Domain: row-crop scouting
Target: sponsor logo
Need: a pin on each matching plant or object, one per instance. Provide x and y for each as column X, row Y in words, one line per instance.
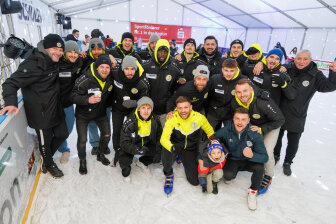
column 110, row 88
column 205, row 95
column 151, row 76
column 305, row 83
column 117, row 84
column 258, row 80
column 249, row 143
column 64, row 74
column 220, row 91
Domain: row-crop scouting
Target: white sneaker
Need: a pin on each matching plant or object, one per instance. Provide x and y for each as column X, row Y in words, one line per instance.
column 252, row 199
column 64, row 157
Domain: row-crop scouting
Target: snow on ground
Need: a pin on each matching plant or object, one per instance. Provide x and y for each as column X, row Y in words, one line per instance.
column 101, row 196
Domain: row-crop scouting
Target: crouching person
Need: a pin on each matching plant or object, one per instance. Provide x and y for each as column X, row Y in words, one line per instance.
column 90, row 94
column 246, row 152
column 210, row 165
column 140, row 135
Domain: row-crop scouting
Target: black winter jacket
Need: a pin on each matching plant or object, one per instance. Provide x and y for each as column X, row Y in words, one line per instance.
column 306, row 82
column 119, row 53
column 134, row 88
column 263, row 112
column 85, row 87
column 214, row 63
column 131, row 139
column 187, row 68
column 68, row 73
column 37, row 76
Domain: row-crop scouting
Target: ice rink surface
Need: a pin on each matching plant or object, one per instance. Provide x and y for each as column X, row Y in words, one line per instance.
column 102, row 196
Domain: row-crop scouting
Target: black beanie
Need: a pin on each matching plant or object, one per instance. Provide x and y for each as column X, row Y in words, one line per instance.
column 103, row 59
column 237, row 41
column 189, row 40
column 53, row 40
column 127, row 35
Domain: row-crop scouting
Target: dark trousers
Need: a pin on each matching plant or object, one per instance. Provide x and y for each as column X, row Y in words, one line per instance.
column 117, row 122
column 189, row 160
column 215, row 122
column 126, row 159
column 232, row 167
column 50, row 139
column 82, row 127
column 293, row 140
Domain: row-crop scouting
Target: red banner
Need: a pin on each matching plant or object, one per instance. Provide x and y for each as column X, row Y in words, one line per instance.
column 145, row 30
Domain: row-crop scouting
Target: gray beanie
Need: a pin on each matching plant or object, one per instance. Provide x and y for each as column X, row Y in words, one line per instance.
column 154, row 38
column 71, row 45
column 129, row 61
column 96, row 42
column 202, row 70
column 145, row 100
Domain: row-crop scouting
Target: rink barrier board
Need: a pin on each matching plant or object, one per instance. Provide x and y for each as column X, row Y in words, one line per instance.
column 19, row 168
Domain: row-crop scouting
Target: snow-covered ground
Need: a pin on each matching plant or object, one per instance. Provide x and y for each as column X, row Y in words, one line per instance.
column 101, row 196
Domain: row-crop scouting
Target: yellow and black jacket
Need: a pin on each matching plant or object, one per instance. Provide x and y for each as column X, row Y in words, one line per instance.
column 119, row 53
column 162, row 78
column 249, row 64
column 185, row 132
column 85, row 87
column 136, row 133
column 263, row 112
column 187, row 67
column 221, row 93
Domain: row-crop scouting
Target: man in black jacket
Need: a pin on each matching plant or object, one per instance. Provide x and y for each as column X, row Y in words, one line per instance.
column 90, row 94
column 129, row 85
column 306, row 79
column 140, row 135
column 163, row 76
column 69, row 70
column 146, row 54
column 188, row 60
column 210, row 55
column 221, row 93
column 124, row 48
column 37, row 77
column 266, row 119
column 237, row 53
column 196, row 90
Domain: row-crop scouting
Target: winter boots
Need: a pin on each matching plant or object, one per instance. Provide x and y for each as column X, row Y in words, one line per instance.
column 54, row 171
column 252, row 199
column 101, row 157
column 287, row 169
column 82, row 166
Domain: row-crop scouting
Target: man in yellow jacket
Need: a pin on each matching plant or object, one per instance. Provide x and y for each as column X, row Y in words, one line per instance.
column 180, row 137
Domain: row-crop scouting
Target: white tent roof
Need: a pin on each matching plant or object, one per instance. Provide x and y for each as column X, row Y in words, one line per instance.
column 233, row 13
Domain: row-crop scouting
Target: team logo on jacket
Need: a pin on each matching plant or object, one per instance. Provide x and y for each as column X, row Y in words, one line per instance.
column 110, row 88
column 249, row 143
column 256, row 116
column 193, row 125
column 205, row 95
column 194, row 72
column 233, row 92
column 305, row 83
column 168, row 78
column 59, row 44
column 134, row 91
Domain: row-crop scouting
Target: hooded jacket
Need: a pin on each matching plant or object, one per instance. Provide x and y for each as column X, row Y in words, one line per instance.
column 37, row 76
column 185, row 133
column 134, row 88
column 145, row 54
column 249, row 64
column 214, row 63
column 187, row 67
column 85, row 87
column 135, row 133
column 68, row 73
column 263, row 112
column 119, row 53
column 306, row 82
column 162, row 78
column 221, row 93
column 236, row 143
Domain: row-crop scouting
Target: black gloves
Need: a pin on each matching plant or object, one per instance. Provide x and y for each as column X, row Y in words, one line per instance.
column 251, row 50
column 142, row 151
column 129, row 104
column 278, row 80
column 157, row 157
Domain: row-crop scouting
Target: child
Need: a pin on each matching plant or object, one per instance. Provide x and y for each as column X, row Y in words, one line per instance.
column 210, row 163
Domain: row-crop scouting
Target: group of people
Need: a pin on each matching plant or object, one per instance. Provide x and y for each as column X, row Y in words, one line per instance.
column 217, row 115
